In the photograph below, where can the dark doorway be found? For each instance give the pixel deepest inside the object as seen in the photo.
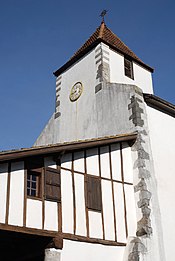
(16, 246)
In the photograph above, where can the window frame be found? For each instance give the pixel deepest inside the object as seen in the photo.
(34, 168)
(31, 181)
(128, 68)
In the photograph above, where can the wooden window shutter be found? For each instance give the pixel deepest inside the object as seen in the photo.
(128, 68)
(52, 184)
(94, 198)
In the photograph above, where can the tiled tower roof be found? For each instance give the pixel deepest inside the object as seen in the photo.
(105, 35)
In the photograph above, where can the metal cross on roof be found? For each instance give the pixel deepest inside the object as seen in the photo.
(103, 13)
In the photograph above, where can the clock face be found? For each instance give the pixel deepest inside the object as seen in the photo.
(76, 91)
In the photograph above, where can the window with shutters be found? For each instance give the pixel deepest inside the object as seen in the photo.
(34, 170)
(94, 198)
(52, 184)
(128, 68)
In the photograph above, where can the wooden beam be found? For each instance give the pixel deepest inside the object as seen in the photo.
(26, 230)
(91, 240)
(60, 148)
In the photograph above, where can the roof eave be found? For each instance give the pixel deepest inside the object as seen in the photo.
(76, 58)
(127, 55)
(89, 48)
(61, 148)
(159, 104)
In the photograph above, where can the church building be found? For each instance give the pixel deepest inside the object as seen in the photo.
(98, 184)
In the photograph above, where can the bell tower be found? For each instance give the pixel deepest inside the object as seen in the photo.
(93, 90)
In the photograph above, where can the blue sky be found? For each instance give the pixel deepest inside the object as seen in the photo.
(39, 36)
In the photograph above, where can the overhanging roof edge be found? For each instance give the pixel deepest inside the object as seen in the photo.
(89, 48)
(62, 147)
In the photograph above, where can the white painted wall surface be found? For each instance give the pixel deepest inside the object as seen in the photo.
(51, 216)
(80, 205)
(34, 213)
(16, 202)
(104, 160)
(127, 163)
(3, 190)
(142, 77)
(79, 161)
(74, 113)
(95, 224)
(108, 212)
(67, 201)
(66, 161)
(116, 162)
(92, 161)
(79, 251)
(162, 131)
(119, 212)
(130, 210)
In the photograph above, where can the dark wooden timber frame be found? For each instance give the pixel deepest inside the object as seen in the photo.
(8, 193)
(55, 152)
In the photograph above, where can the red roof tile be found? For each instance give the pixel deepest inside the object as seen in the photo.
(103, 34)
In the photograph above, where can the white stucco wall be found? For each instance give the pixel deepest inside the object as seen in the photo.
(73, 113)
(127, 163)
(80, 205)
(92, 161)
(104, 160)
(34, 213)
(115, 159)
(142, 77)
(95, 224)
(162, 130)
(78, 251)
(67, 201)
(51, 216)
(16, 201)
(108, 212)
(119, 212)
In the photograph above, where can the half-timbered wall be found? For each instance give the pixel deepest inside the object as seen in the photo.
(112, 166)
(97, 199)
